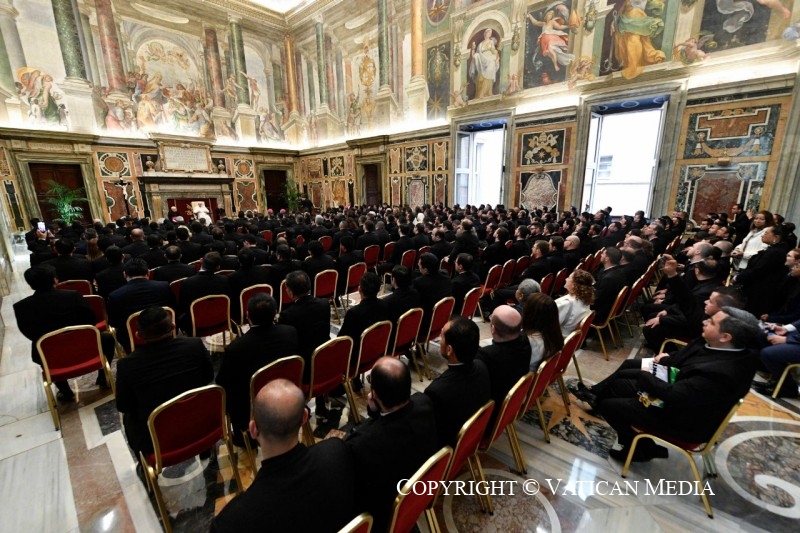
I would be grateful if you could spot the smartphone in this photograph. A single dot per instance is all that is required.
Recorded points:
(41, 227)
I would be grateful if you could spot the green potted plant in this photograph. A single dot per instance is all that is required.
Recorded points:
(292, 195)
(63, 200)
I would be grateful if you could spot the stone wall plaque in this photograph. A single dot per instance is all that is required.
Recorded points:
(184, 157)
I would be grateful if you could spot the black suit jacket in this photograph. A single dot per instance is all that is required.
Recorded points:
(305, 489)
(343, 264)
(494, 254)
(431, 289)
(314, 265)
(240, 280)
(466, 243)
(48, 310)
(461, 285)
(311, 317)
(172, 271)
(401, 245)
(456, 395)
(154, 258)
(71, 267)
(136, 249)
(190, 251)
(153, 374)
(609, 283)
(367, 239)
(109, 280)
(537, 269)
(201, 284)
(401, 300)
(359, 318)
(260, 346)
(507, 362)
(387, 449)
(136, 295)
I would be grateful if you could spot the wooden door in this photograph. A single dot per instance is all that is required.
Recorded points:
(275, 188)
(372, 185)
(67, 175)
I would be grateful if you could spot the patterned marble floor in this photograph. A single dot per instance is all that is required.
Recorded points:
(82, 478)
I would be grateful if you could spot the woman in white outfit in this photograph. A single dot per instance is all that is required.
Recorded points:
(575, 304)
(540, 324)
(752, 243)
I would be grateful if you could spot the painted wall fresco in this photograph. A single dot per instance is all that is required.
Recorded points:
(164, 80)
(547, 44)
(727, 154)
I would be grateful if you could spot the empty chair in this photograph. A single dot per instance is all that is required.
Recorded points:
(488, 287)
(547, 283)
(470, 303)
(507, 273)
(371, 254)
(408, 506)
(326, 241)
(541, 380)
(522, 264)
(704, 449)
(607, 322)
(405, 334)
(439, 316)
(210, 315)
(181, 428)
(508, 412)
(466, 451)
(325, 287)
(67, 353)
(374, 344)
(80, 285)
(354, 274)
(409, 259)
(329, 368)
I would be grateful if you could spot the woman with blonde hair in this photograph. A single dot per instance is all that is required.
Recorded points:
(540, 324)
(573, 306)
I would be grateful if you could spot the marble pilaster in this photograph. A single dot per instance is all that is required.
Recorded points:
(417, 51)
(329, 126)
(383, 42)
(112, 57)
(321, 70)
(385, 107)
(91, 56)
(330, 75)
(240, 67)
(68, 39)
(79, 104)
(291, 81)
(214, 66)
(8, 26)
(6, 73)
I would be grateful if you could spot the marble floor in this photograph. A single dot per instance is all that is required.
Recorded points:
(82, 478)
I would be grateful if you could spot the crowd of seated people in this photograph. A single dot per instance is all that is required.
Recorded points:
(131, 263)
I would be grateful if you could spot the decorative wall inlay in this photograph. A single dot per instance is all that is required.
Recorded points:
(728, 153)
(395, 165)
(246, 195)
(544, 147)
(114, 164)
(543, 154)
(440, 155)
(5, 168)
(440, 188)
(117, 195)
(396, 186)
(416, 191)
(336, 167)
(9, 187)
(416, 158)
(540, 188)
(243, 168)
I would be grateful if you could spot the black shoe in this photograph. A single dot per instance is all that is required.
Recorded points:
(584, 394)
(322, 414)
(101, 380)
(140, 473)
(63, 397)
(764, 387)
(358, 386)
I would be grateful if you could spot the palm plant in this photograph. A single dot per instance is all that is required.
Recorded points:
(63, 200)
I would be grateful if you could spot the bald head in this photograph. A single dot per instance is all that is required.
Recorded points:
(391, 383)
(572, 242)
(506, 323)
(278, 412)
(137, 234)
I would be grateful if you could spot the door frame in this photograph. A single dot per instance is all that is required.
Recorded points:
(379, 160)
(261, 186)
(84, 161)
